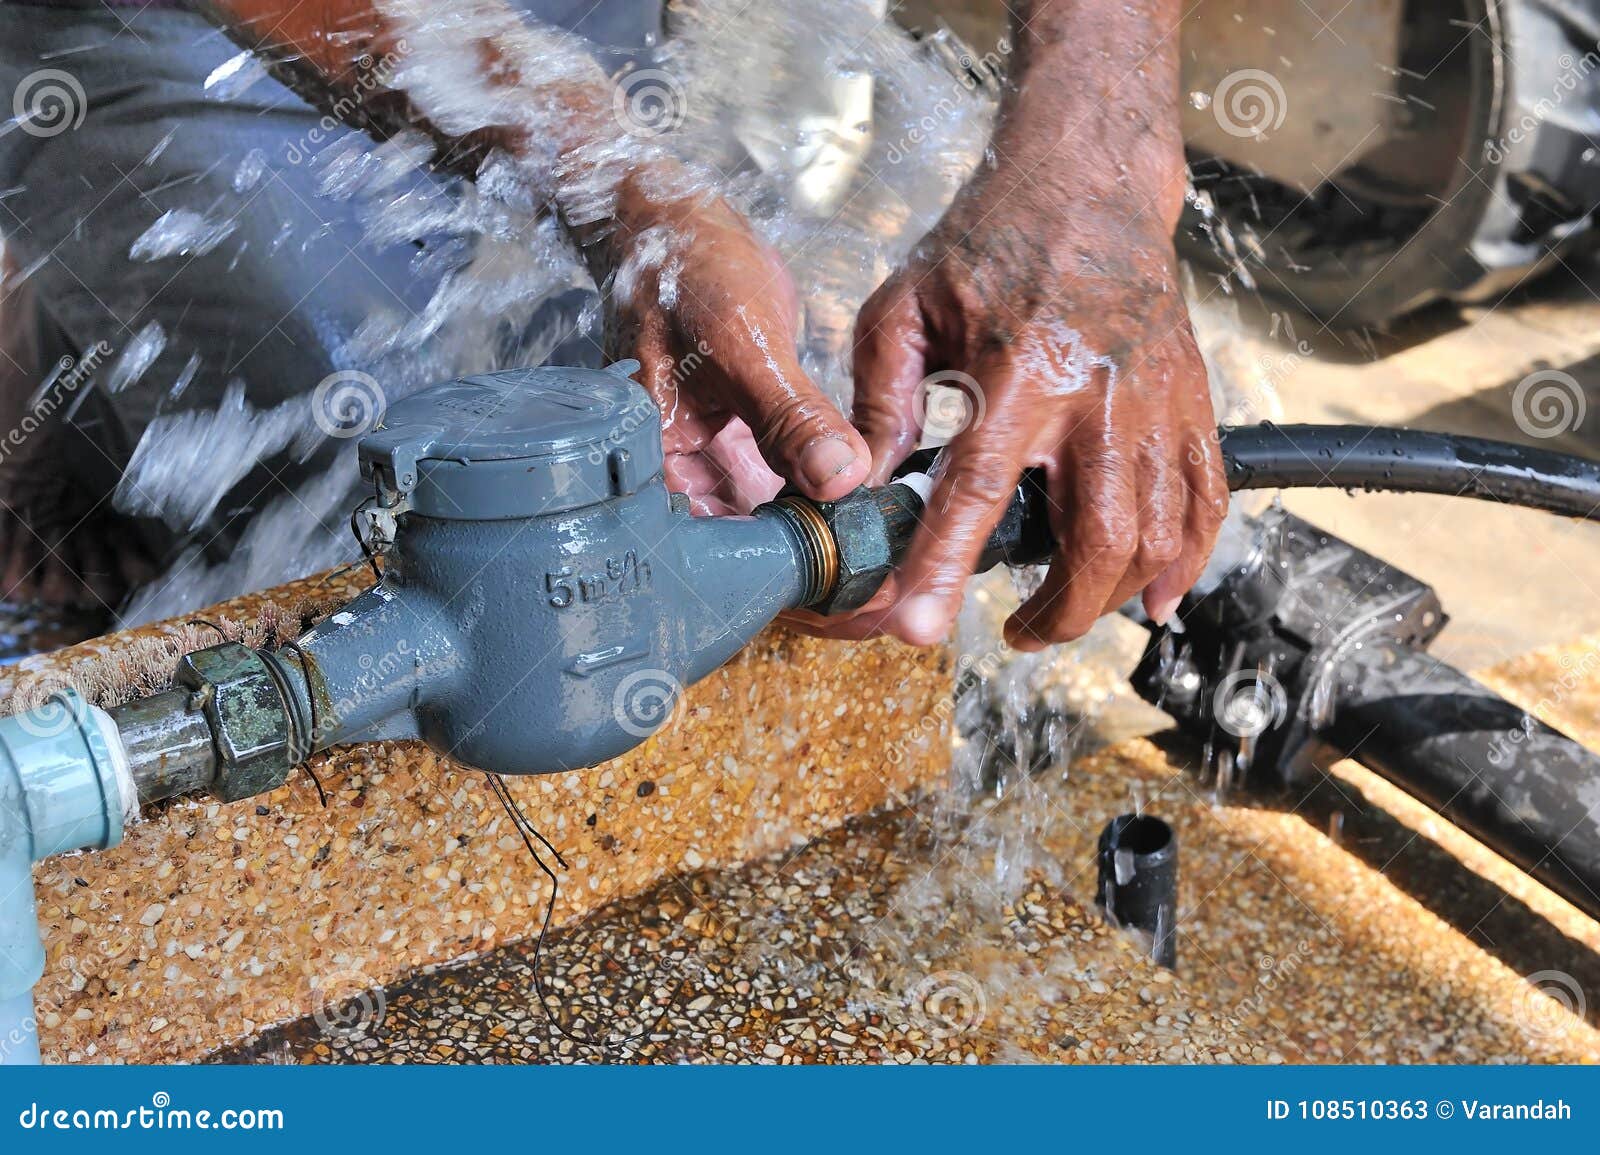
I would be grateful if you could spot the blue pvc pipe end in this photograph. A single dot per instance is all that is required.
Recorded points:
(64, 785)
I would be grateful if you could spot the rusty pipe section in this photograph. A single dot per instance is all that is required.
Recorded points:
(235, 723)
(168, 745)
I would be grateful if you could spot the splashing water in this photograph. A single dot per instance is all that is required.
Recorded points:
(812, 119)
(181, 233)
(137, 356)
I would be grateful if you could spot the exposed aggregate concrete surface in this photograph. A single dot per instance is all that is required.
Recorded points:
(212, 922)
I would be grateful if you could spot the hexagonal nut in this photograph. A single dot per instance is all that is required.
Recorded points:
(870, 527)
(249, 722)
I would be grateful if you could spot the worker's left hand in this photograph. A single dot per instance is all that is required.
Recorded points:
(1067, 332)
(709, 311)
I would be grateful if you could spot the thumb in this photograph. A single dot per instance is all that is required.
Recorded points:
(890, 359)
(800, 432)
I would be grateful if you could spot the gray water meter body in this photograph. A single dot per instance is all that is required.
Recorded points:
(544, 600)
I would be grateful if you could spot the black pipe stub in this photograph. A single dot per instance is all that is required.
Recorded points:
(1138, 884)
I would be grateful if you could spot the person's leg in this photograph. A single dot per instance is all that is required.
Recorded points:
(57, 544)
(246, 284)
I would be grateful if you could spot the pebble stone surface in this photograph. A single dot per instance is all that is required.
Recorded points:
(212, 922)
(1341, 924)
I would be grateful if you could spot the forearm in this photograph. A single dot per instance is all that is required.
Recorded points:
(1093, 107)
(472, 76)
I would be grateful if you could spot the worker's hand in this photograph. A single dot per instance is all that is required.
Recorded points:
(1065, 328)
(709, 311)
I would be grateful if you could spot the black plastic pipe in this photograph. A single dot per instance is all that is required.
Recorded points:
(1138, 883)
(1369, 457)
(1523, 789)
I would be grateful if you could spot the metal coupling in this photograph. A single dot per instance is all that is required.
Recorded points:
(852, 544)
(260, 729)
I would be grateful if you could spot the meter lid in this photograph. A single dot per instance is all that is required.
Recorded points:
(517, 443)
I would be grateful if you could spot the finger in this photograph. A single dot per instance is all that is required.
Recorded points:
(1207, 506)
(1163, 503)
(845, 629)
(648, 344)
(700, 480)
(747, 482)
(978, 474)
(889, 365)
(800, 433)
(856, 625)
(1097, 525)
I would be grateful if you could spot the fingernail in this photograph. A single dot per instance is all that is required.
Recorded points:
(823, 460)
(1165, 609)
(923, 620)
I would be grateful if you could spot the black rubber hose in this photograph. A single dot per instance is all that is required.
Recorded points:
(1369, 457)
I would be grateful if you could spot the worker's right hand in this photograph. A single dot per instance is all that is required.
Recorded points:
(709, 312)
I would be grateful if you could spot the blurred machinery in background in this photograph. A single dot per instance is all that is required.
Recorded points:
(1362, 158)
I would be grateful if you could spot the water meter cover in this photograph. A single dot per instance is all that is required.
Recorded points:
(518, 443)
